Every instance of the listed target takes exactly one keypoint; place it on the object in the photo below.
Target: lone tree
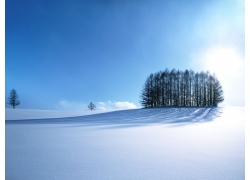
(13, 99)
(91, 106)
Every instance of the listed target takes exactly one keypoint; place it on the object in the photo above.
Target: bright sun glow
(228, 65)
(224, 62)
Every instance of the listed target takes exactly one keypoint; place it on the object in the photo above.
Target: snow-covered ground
(160, 143)
(17, 114)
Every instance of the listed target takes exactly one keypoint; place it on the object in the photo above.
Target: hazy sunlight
(224, 62)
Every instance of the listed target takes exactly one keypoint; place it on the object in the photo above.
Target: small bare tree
(13, 99)
(91, 106)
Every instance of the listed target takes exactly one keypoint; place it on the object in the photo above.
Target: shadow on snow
(135, 117)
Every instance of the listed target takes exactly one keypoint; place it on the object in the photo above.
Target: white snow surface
(17, 114)
(148, 144)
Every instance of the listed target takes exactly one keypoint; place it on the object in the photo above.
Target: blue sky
(64, 54)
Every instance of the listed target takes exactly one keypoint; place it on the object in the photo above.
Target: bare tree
(163, 88)
(196, 87)
(91, 106)
(13, 99)
(191, 79)
(178, 87)
(218, 92)
(167, 89)
(186, 87)
(146, 94)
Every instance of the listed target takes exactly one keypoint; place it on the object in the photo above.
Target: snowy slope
(161, 143)
(17, 114)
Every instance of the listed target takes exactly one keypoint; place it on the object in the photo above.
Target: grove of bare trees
(181, 88)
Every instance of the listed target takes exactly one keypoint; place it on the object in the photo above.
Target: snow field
(160, 143)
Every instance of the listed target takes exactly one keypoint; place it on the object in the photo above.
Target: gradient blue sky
(64, 54)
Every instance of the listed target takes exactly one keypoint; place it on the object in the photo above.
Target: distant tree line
(181, 88)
